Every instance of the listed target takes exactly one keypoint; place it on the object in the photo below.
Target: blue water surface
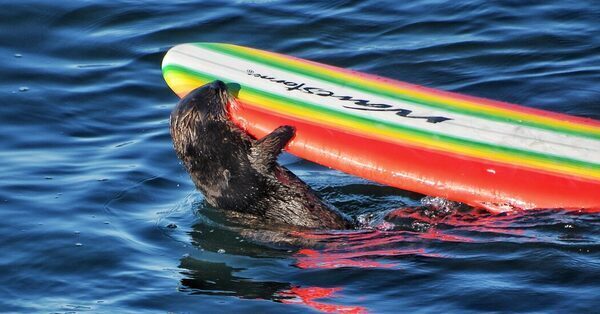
(97, 214)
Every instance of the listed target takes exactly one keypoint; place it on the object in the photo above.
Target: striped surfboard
(482, 152)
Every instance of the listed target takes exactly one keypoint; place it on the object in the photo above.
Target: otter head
(207, 102)
(193, 112)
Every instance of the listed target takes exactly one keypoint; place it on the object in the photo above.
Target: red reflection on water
(360, 249)
(378, 248)
(369, 248)
(308, 295)
(328, 260)
(409, 213)
(476, 221)
(433, 234)
(500, 224)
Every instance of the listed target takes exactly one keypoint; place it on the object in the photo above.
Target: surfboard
(481, 152)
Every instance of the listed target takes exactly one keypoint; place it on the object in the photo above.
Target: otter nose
(219, 85)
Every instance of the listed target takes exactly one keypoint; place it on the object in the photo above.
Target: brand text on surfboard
(354, 103)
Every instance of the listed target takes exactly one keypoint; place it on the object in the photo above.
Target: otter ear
(266, 150)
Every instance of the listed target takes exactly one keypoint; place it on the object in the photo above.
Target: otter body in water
(239, 174)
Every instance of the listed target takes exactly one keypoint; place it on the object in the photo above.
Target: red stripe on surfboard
(430, 172)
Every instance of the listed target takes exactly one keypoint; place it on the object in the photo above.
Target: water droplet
(78, 244)
(23, 88)
(18, 55)
(106, 222)
(221, 251)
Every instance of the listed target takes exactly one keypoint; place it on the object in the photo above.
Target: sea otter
(239, 174)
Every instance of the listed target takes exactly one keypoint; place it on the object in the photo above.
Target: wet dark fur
(239, 174)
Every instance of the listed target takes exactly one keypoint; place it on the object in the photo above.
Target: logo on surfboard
(353, 103)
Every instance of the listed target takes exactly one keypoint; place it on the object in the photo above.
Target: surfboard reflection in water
(437, 233)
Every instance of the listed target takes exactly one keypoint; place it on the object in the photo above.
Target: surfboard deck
(481, 152)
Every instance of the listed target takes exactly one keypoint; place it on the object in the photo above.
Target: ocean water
(97, 215)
